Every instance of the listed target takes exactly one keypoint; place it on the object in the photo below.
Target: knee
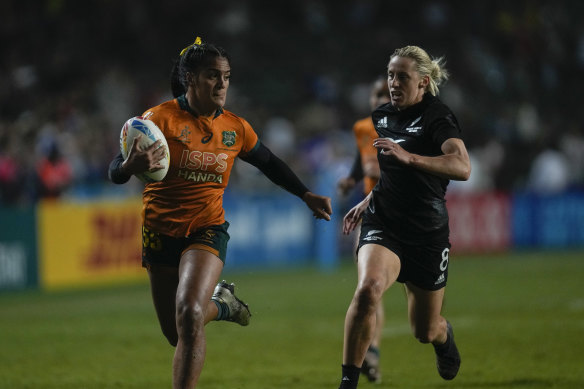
(425, 334)
(368, 295)
(190, 317)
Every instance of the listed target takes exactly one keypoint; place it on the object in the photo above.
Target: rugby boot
(370, 367)
(447, 356)
(238, 310)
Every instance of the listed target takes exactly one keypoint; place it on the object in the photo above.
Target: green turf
(518, 320)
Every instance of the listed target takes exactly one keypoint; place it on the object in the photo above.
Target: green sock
(222, 310)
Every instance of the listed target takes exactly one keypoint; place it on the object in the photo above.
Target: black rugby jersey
(408, 202)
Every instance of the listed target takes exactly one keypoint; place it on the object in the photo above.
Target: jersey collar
(184, 105)
(413, 110)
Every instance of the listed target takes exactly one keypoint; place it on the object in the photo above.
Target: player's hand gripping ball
(150, 134)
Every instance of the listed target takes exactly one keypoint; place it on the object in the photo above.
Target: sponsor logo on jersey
(200, 176)
(382, 122)
(202, 166)
(203, 160)
(440, 279)
(228, 138)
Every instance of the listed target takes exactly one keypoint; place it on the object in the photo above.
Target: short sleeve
(445, 127)
(250, 139)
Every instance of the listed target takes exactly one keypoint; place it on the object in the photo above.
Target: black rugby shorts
(425, 266)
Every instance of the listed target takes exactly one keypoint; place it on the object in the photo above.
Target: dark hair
(194, 58)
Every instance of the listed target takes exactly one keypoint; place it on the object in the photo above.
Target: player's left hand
(319, 205)
(392, 149)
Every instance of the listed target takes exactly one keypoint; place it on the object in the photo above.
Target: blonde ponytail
(426, 66)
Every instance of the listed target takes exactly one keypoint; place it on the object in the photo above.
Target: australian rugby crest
(228, 138)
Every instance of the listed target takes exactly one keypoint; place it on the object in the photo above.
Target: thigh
(163, 285)
(198, 273)
(212, 239)
(160, 251)
(377, 264)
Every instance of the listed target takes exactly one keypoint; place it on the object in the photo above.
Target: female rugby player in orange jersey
(184, 229)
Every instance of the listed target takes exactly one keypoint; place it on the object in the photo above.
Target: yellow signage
(89, 243)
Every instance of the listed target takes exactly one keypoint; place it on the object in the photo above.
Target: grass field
(518, 320)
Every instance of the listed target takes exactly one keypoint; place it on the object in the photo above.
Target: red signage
(479, 223)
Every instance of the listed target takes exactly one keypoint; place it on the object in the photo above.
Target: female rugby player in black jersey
(404, 231)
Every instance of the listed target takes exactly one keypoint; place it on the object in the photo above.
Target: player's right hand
(353, 217)
(141, 160)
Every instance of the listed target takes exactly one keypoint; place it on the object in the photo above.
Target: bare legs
(379, 320)
(378, 269)
(426, 322)
(182, 298)
(380, 314)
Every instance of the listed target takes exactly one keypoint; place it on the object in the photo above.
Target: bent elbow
(465, 174)
(462, 174)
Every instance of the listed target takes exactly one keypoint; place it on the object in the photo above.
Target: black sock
(350, 377)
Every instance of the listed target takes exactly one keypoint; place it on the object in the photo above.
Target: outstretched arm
(281, 174)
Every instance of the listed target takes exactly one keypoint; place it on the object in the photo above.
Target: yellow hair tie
(197, 42)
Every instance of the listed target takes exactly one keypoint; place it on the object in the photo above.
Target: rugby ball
(150, 134)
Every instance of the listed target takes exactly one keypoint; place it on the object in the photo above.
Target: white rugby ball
(150, 134)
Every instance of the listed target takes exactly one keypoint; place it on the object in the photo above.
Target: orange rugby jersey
(364, 135)
(202, 153)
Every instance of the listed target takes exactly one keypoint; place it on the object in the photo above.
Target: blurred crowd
(72, 72)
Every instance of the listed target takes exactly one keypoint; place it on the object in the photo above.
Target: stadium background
(72, 72)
